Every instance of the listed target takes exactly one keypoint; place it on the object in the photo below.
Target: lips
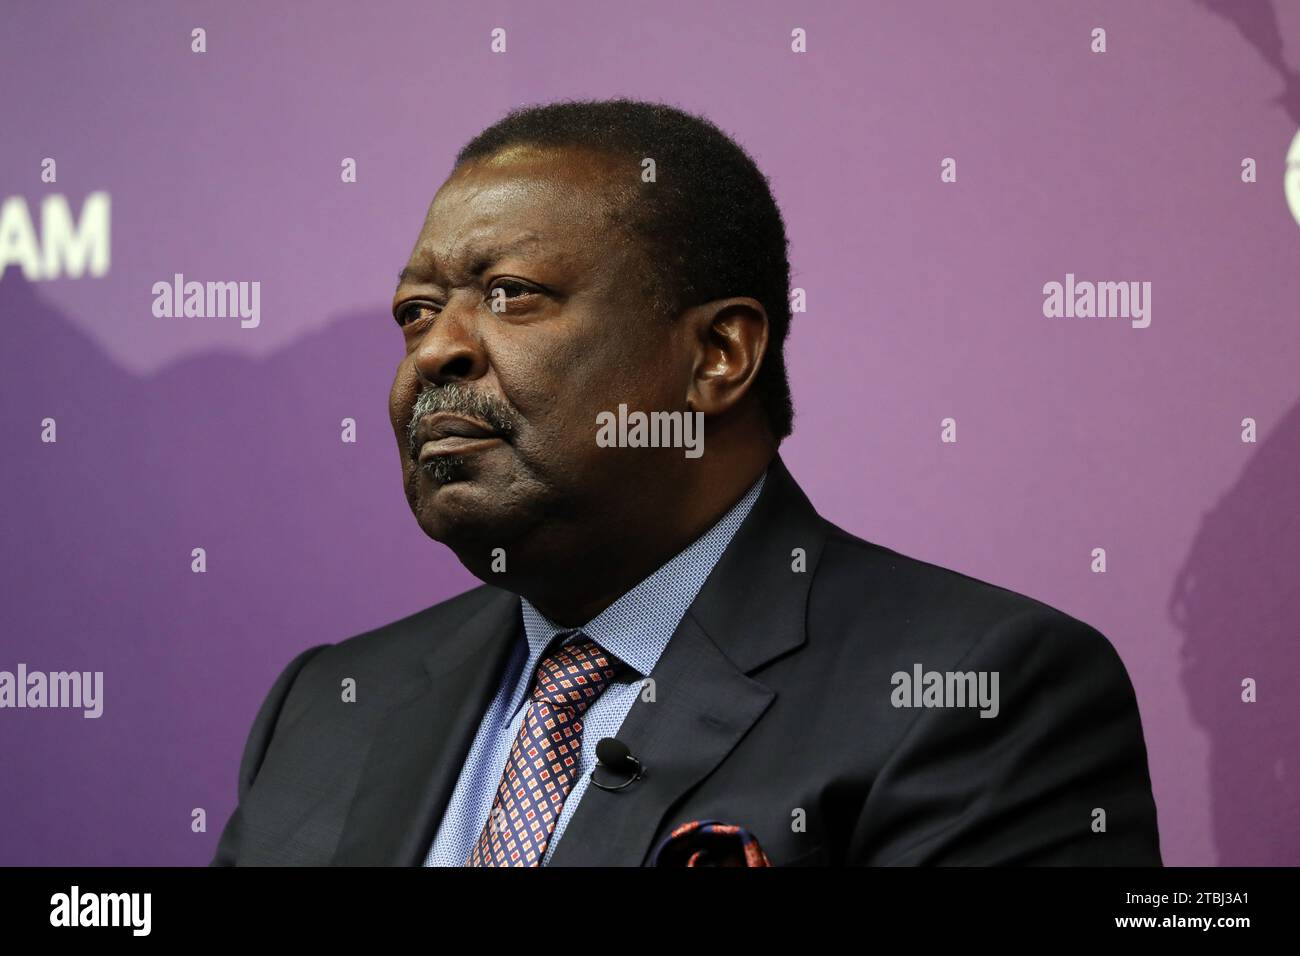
(444, 433)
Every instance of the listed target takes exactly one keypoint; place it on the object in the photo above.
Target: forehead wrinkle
(475, 254)
(602, 219)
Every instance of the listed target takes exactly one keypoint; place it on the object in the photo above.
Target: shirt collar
(637, 627)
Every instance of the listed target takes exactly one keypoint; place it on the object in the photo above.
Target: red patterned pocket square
(709, 843)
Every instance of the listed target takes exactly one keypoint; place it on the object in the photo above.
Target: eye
(511, 284)
(410, 312)
(511, 288)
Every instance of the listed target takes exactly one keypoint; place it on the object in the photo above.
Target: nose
(451, 351)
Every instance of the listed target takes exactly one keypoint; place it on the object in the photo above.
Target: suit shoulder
(404, 641)
(915, 583)
(922, 603)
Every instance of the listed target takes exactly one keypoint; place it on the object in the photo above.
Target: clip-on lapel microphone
(616, 768)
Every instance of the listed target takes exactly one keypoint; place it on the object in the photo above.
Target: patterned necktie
(546, 756)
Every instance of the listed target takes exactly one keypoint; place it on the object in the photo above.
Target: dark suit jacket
(772, 706)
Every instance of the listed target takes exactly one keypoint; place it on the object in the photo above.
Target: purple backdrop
(924, 301)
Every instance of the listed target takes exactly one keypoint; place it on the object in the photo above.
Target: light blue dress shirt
(636, 628)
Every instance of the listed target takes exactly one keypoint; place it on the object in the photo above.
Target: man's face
(502, 444)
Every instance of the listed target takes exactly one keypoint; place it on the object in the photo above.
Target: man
(837, 702)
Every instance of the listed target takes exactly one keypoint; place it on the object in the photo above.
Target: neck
(594, 580)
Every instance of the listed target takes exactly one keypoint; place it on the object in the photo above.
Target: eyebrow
(480, 258)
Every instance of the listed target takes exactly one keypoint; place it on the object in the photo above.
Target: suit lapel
(703, 706)
(750, 611)
(421, 743)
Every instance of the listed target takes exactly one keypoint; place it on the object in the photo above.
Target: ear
(729, 339)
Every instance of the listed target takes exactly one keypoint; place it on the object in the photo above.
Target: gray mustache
(460, 401)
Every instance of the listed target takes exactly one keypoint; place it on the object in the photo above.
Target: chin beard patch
(444, 468)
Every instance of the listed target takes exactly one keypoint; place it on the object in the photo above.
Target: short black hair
(709, 224)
